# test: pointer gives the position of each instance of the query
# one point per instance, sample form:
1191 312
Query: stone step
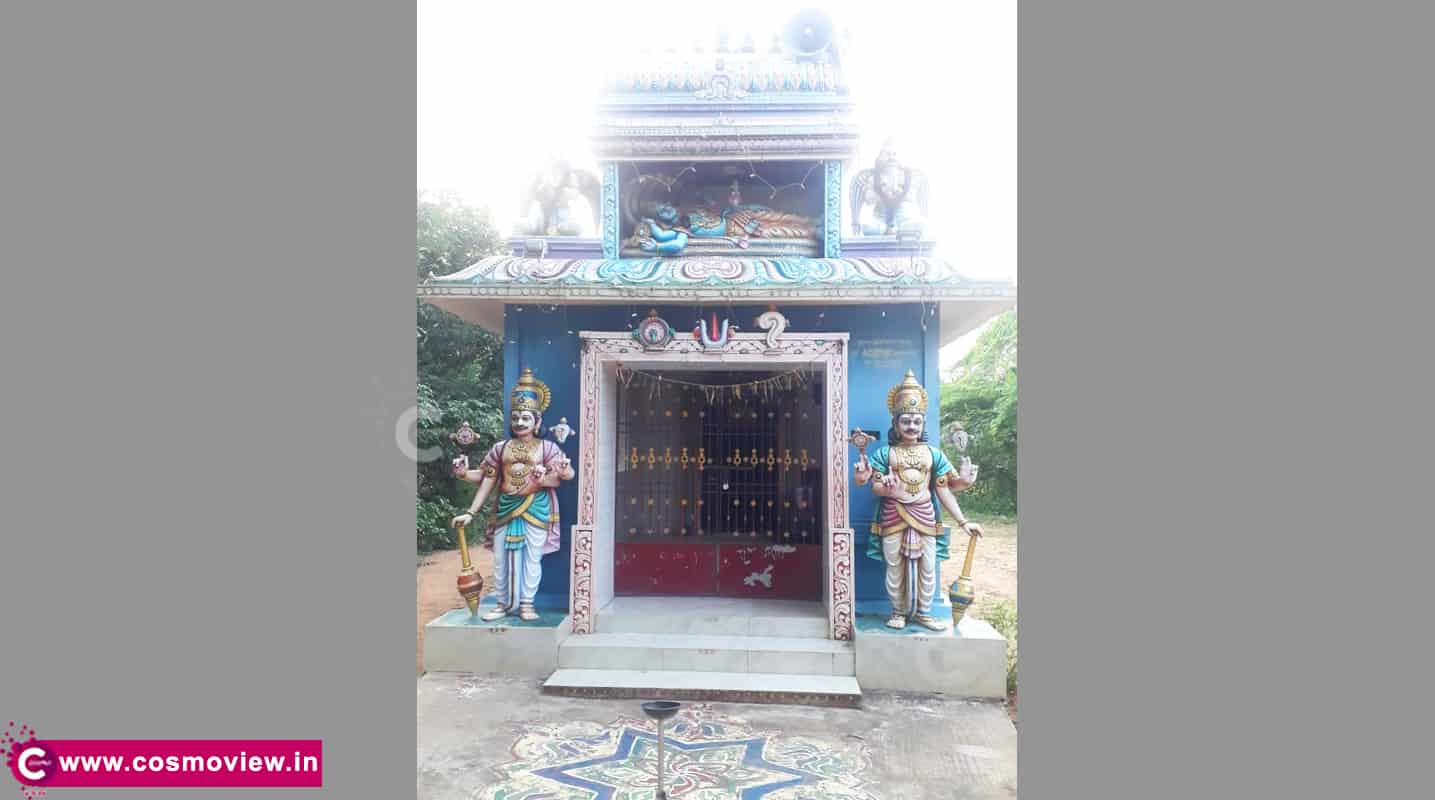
695 652
731 687
721 616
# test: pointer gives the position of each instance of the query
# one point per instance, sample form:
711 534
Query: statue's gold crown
530 394
907 397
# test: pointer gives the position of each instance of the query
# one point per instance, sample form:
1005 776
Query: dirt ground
993 573
993 568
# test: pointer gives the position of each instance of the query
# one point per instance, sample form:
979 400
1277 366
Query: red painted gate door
718 493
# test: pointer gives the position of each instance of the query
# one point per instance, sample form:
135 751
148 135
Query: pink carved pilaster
840 580
837 437
587 435
580 592
840 601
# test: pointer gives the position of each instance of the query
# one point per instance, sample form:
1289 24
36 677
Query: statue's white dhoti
516 572
904 573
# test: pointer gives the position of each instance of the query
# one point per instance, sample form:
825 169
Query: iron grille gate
719 493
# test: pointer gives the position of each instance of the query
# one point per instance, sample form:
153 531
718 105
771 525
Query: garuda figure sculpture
525 469
670 228
906 529
550 202
889 198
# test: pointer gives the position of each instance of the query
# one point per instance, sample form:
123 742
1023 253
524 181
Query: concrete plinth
459 642
967 662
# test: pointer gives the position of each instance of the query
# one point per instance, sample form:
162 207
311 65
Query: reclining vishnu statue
667 228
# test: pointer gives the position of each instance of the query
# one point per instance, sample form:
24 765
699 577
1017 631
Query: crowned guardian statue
906 473
524 469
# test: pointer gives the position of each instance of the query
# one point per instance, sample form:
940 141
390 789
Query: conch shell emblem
562 430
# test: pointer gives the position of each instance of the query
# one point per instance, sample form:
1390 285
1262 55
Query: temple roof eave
778 271
479 292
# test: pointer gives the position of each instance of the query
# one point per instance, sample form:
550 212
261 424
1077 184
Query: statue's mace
962 594
470 583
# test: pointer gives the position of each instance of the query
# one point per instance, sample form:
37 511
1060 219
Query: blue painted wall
886 341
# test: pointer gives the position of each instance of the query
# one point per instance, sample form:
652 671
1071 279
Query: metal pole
659 711
662 795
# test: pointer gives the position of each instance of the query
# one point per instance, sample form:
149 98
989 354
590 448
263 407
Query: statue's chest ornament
519 458
912 465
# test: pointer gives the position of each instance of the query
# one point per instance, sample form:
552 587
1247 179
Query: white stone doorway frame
591 566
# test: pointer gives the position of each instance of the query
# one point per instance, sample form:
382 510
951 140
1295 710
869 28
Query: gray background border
1220 207
208 321
1209 194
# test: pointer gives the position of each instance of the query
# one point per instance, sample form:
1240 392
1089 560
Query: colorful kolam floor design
707 756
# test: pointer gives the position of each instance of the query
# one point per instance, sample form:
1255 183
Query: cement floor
491 737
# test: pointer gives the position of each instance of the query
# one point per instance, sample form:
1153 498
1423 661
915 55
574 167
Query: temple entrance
718 486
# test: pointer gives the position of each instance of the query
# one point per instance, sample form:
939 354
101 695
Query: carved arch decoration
602 351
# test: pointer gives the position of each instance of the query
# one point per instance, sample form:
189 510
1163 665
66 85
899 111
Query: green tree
452 235
460 366
980 396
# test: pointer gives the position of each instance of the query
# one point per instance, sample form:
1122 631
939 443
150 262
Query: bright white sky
504 86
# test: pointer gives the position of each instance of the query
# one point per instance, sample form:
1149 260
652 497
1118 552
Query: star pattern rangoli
707 756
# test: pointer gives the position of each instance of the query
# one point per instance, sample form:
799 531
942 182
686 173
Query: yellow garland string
764 388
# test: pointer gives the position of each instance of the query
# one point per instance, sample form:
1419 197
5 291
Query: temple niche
773 208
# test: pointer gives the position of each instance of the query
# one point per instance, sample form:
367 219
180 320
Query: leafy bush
434 532
460 370
981 398
1002 616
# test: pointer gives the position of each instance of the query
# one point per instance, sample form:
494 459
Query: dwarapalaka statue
551 202
889 199
906 529
525 469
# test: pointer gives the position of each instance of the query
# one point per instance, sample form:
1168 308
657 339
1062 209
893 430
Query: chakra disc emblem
654 333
